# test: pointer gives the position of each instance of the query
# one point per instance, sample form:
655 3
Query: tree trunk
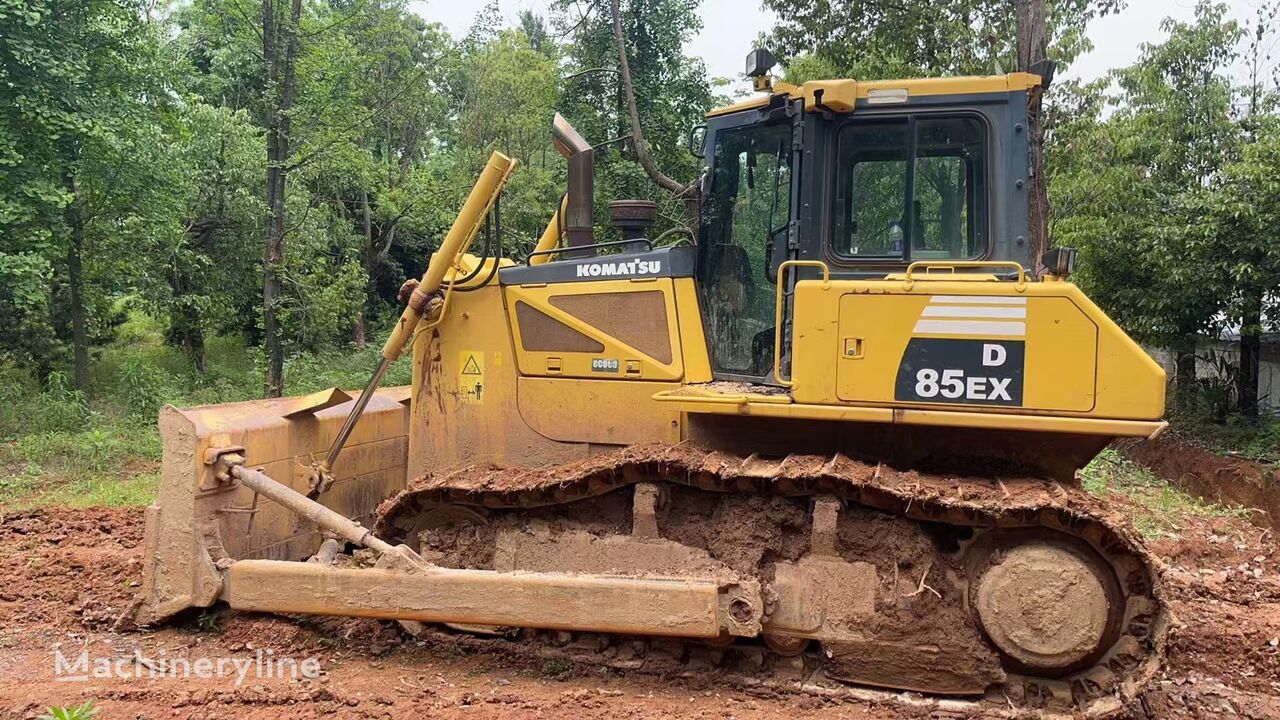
280 88
366 222
1184 358
368 255
271 250
359 335
185 326
195 347
1250 353
75 278
1033 46
185 329
193 339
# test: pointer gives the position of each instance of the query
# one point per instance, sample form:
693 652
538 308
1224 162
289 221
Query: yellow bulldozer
827 442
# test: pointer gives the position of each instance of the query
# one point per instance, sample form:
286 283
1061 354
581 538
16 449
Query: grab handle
777 311
953 265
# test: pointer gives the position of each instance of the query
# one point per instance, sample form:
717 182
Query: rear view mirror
697 136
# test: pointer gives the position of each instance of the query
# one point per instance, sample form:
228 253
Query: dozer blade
203 519
197 523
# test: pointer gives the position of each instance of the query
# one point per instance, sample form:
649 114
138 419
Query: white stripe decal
978 300
974 311
970 327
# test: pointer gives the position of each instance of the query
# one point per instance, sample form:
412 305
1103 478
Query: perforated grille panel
540 332
638 319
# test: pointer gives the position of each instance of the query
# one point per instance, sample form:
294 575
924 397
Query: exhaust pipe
578 219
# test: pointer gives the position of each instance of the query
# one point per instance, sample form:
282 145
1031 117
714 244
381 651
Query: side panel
480 396
977 346
967 350
465 395
601 412
592 353
606 329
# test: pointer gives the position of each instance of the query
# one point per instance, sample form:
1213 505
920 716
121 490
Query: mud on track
66 574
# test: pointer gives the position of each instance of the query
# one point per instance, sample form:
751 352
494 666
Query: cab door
747 230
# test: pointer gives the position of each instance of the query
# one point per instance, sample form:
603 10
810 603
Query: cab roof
844 95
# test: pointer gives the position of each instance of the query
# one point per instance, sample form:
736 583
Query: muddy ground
66 575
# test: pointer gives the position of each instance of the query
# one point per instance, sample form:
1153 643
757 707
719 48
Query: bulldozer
828 441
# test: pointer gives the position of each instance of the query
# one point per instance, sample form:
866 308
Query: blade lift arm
424 302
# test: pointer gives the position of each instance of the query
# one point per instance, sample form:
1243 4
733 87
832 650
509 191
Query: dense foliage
1164 175
137 141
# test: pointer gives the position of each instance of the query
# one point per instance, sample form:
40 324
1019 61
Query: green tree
363 121
873 40
1131 186
1239 216
374 114
205 276
82 163
1245 205
505 102
534 27
281 29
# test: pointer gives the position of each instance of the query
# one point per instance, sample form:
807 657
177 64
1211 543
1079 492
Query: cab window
910 189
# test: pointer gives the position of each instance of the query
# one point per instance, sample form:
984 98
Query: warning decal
471 376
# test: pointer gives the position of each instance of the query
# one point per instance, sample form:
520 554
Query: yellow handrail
777 312
551 236
952 265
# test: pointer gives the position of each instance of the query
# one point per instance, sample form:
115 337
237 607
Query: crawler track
919 532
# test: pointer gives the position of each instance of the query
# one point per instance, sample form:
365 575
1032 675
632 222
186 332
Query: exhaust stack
578 218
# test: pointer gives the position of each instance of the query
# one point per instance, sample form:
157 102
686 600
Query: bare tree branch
582 19
339 22
637 134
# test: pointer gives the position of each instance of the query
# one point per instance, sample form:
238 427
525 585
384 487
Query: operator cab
867 177
854 180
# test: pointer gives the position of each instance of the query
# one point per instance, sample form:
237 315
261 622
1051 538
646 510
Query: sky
730 27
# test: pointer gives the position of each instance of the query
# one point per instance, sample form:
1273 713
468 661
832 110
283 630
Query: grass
58 447
556 668
135 491
209 621
109 461
1162 510
1256 441
84 711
